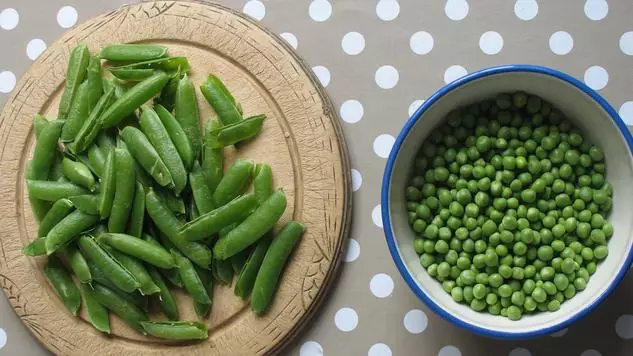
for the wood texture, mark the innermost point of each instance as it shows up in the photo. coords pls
(301, 140)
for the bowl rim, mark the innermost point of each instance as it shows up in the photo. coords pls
(386, 182)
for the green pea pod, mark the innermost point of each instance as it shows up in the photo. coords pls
(78, 173)
(53, 191)
(45, 151)
(174, 203)
(252, 228)
(97, 313)
(100, 277)
(75, 74)
(167, 96)
(172, 275)
(190, 279)
(39, 123)
(125, 184)
(222, 271)
(39, 207)
(263, 182)
(105, 141)
(170, 226)
(88, 203)
(36, 247)
(191, 211)
(131, 74)
(146, 251)
(97, 158)
(158, 136)
(238, 260)
(272, 266)
(125, 52)
(165, 298)
(176, 330)
(146, 155)
(90, 128)
(108, 183)
(79, 111)
(135, 267)
(234, 182)
(94, 80)
(137, 216)
(202, 195)
(68, 229)
(212, 158)
(123, 308)
(212, 222)
(62, 283)
(167, 64)
(112, 269)
(234, 133)
(77, 263)
(58, 211)
(248, 273)
(133, 99)
(187, 113)
(220, 99)
(202, 309)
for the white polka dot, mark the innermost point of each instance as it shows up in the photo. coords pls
(353, 250)
(9, 19)
(346, 319)
(415, 321)
(323, 74)
(626, 113)
(626, 43)
(454, 72)
(456, 10)
(353, 43)
(561, 43)
(526, 9)
(351, 111)
(381, 285)
(590, 352)
(34, 48)
(357, 180)
(491, 42)
(386, 77)
(290, 38)
(449, 351)
(379, 349)
(67, 16)
(3, 338)
(421, 42)
(311, 348)
(559, 333)
(383, 144)
(255, 9)
(320, 10)
(376, 216)
(387, 10)
(7, 81)
(596, 77)
(624, 326)
(596, 9)
(414, 106)
(519, 352)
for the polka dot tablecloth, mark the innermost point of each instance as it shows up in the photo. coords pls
(379, 60)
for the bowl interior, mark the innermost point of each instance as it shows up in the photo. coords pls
(596, 123)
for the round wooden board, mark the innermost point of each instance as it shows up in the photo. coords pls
(301, 140)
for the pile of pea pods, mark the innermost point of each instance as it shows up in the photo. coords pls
(132, 199)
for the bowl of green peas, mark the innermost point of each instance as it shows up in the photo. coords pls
(506, 201)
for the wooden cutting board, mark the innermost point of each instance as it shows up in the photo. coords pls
(301, 140)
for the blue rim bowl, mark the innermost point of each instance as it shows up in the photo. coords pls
(416, 285)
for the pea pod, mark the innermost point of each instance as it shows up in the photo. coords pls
(167, 96)
(212, 158)
(133, 99)
(112, 269)
(176, 330)
(177, 135)
(203, 309)
(36, 247)
(146, 155)
(68, 229)
(100, 277)
(239, 260)
(190, 279)
(234, 182)
(79, 111)
(131, 74)
(77, 263)
(167, 64)
(263, 182)
(45, 151)
(202, 195)
(166, 299)
(135, 267)
(187, 113)
(106, 196)
(174, 203)
(191, 211)
(53, 191)
(274, 261)
(222, 271)
(39, 123)
(62, 283)
(248, 273)
(94, 80)
(137, 216)
(97, 313)
(123, 308)
(212, 222)
(125, 183)
(234, 133)
(158, 136)
(75, 74)
(172, 275)
(170, 226)
(58, 211)
(124, 52)
(105, 141)
(78, 173)
(90, 128)
(252, 228)
(220, 99)
(97, 159)
(88, 203)
(146, 251)
(39, 207)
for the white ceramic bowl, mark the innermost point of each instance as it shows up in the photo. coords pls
(600, 123)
